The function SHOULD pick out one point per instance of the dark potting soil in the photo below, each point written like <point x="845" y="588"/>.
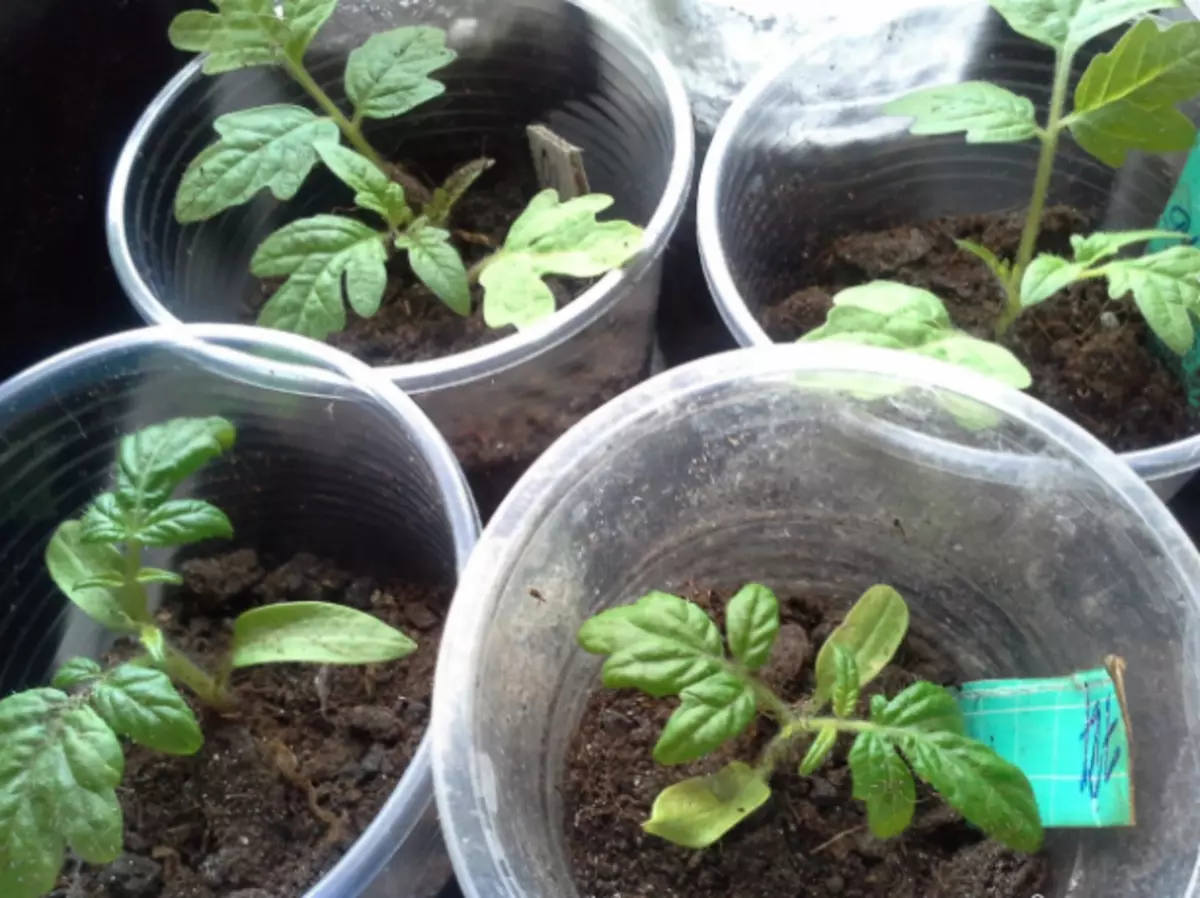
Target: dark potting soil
<point x="285" y="784"/>
<point x="810" y="839"/>
<point x="1091" y="358"/>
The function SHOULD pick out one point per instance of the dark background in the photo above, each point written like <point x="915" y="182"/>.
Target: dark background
<point x="76" y="76"/>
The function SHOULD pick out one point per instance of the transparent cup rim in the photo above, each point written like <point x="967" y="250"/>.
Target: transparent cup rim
<point x="225" y="345"/>
<point x="484" y="361"/>
<point x="462" y="781"/>
<point x="1160" y="462"/>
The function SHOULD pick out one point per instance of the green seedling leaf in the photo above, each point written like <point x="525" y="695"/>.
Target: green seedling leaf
<point x="821" y="746"/>
<point x="1045" y="276"/>
<point x="698" y="811"/>
<point x="59" y="766"/>
<point x="987" y="790"/>
<point x="105" y="521"/>
<point x="1165" y="287"/>
<point x="551" y="237"/>
<point x="883" y="782"/>
<point x="154" y="461"/>
<point x="148" y="575"/>
<point x="76" y="672"/>
<point x="304" y="19"/>
<point x="710" y="712"/>
<point x="272" y="147"/>
<point x="72" y="564"/>
<point x="1096" y="247"/>
<point x="240" y="34"/>
<point x="389" y="74"/>
<point x="372" y="188"/>
<point x="314" y="632"/>
<point x="437" y="264"/>
<point x="177" y="522"/>
<point x="141" y="703"/>
<point x="845" y="681"/>
<point x="986" y="112"/>
<point x="751" y="622"/>
<point x="1069" y="24"/>
<point x="871" y="633"/>
<point x="661" y="644"/>
<point x="1126" y="98"/>
<point x="989" y="359"/>
<point x="438" y="209"/>
<point x="1001" y="268"/>
<point x="922" y="706"/>
<point x="316" y="254"/>
<point x="152" y="640"/>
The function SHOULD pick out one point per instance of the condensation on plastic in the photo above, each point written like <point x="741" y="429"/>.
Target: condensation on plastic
<point x="578" y="68"/>
<point x="329" y="459"/>
<point x="768" y="464"/>
<point x="806" y="153"/>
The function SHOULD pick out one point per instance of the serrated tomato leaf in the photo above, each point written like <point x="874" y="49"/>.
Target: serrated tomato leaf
<point x="152" y="462"/>
<point x="710" y="712"/>
<point x="883" y="782"/>
<point x="142" y="703"/>
<point x="987" y="112"/>
<point x="751" y="623"/>
<point x="389" y="74"/>
<point x="437" y="264"/>
<point x="1166" y="288"/>
<point x="372" y="188"/>
<point x="924" y="706"/>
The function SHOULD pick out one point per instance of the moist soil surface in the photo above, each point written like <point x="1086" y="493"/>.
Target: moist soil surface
<point x="1091" y="358"/>
<point x="284" y="784"/>
<point x="810" y="839"/>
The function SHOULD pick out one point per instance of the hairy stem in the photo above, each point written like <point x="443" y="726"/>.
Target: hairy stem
<point x="182" y="669"/>
<point x="1041" y="187"/>
<point x="413" y="188"/>
<point x="476" y="270"/>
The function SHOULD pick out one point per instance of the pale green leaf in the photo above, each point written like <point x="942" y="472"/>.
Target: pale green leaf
<point x="987" y="790"/>
<point x="710" y="712"/>
<point x="924" y="706"/>
<point x="695" y="813"/>
<point x="551" y="237"/>
<point x="990" y="359"/>
<point x="1045" y="276"/>
<point x="437" y="264"/>
<point x="1069" y="24"/>
<point x="240" y="34"/>
<point x="389" y="74"/>
<point x="438" y="209"/>
<point x="871" y="633"/>
<point x="315" y="254"/>
<point x="76" y="672"/>
<point x="821" y="746"/>
<point x="661" y="644"/>
<point x="884" y="313"/>
<point x="883" y="782"/>
<point x="152" y="462"/>
<point x="314" y="632"/>
<point x="372" y="188"/>
<point x="1166" y="287"/>
<point x="180" y="521"/>
<point x="304" y="19"/>
<point x="844" y="696"/>
<point x="141" y="703"/>
<point x="986" y="112"/>
<point x="271" y="147"/>
<point x="1126" y="98"/>
<point x="751" y="623"/>
<point x="71" y="562"/>
<point x="153" y="641"/>
<point x="1096" y="247"/>
<point x="1001" y="268"/>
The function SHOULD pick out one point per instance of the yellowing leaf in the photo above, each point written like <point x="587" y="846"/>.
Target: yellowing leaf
<point x="698" y="811"/>
<point x="986" y="112"/>
<point x="315" y="632"/>
<point x="389" y="74"/>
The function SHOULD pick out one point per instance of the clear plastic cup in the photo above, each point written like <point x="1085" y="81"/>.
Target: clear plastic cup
<point x="577" y="67"/>
<point x="329" y="459"/>
<point x="800" y="467"/>
<point x="807" y="152"/>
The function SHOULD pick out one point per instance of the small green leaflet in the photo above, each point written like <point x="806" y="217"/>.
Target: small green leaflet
<point x="661" y="644"/>
<point x="974" y="780"/>
<point x="153" y="641"/>
<point x="1126" y="98"/>
<point x="437" y="264"/>
<point x="59" y="766"/>
<point x="241" y="33"/>
<point x="438" y="209"/>
<point x="389" y="74"/>
<point x="315" y="254"/>
<point x="1001" y="268"/>
<point x="751" y="623"/>
<point x="372" y="188"/>
<point x="551" y="237"/>
<point x="152" y="462"/>
<point x="923" y="706"/>
<point x="845" y="681"/>
<point x="1069" y="24"/>
<point x="174" y="522"/>
<point x="821" y="746"/>
<point x="986" y="112"/>
<point x="1165" y="287"/>
<point x="883" y="782"/>
<point x="76" y="672"/>
<point x="304" y="19"/>
<point x="315" y="632"/>
<point x="272" y="147"/>
<point x="710" y="712"/>
<point x="141" y="703"/>
<point x="698" y="811"/>
<point x="72" y="563"/>
<point x="1045" y="276"/>
<point x="1095" y="247"/>
<point x="871" y="633"/>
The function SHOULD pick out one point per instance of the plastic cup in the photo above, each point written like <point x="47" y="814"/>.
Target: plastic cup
<point x="329" y="459"/>
<point x="820" y="470"/>
<point x="807" y="152"/>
